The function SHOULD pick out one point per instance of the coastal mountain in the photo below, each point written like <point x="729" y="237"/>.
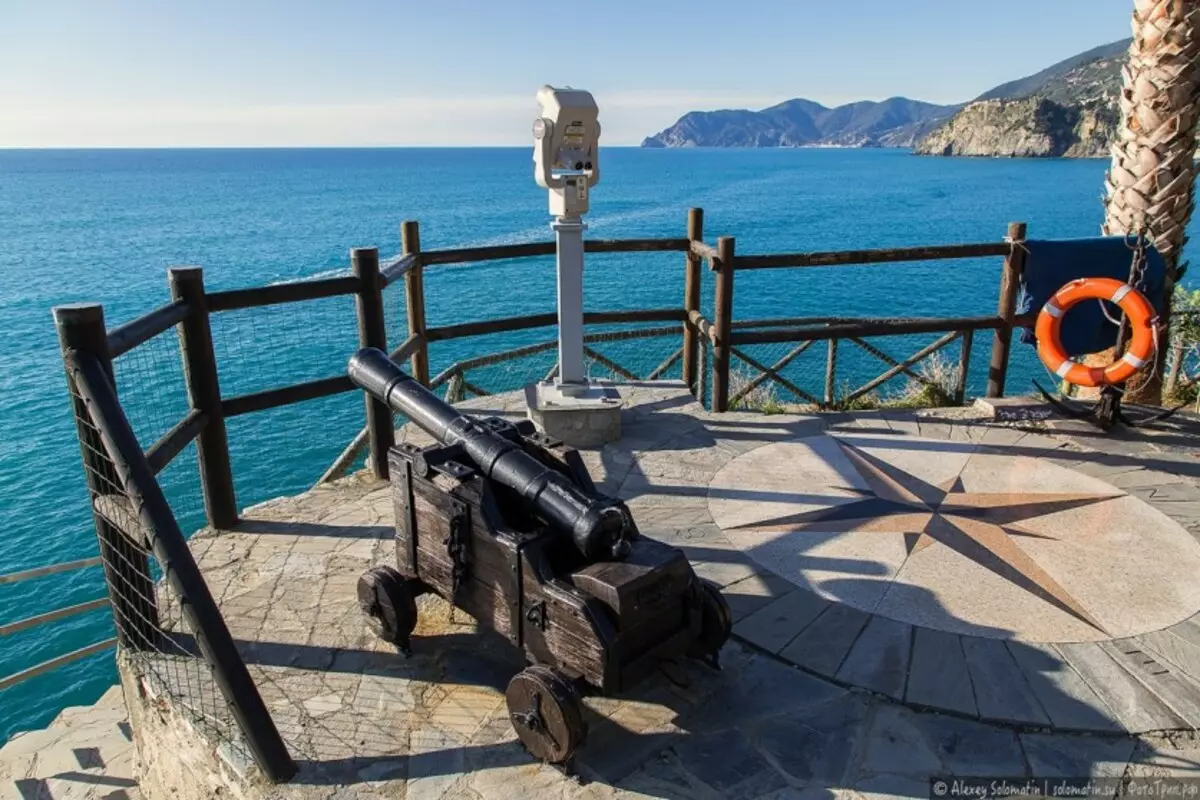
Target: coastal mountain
<point x="1066" y="110"/>
<point x="896" y="122"/>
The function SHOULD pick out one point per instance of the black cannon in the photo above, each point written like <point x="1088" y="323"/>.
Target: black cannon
<point x="506" y="524"/>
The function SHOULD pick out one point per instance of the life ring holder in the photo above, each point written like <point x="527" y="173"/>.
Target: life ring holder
<point x="1142" y="320"/>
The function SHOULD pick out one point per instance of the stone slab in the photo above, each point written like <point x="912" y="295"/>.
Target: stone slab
<point x="729" y="764"/>
<point x="1183" y="655"/>
<point x="755" y="592"/>
<point x="1059" y="756"/>
<point x="1066" y="697"/>
<point x="776" y="624"/>
<point x="1175" y="690"/>
<point x="1001" y="691"/>
<point x="896" y="745"/>
<point x="938" y="675"/>
<point x="824" y="644"/>
<point x="818" y="744"/>
<point x="1137" y="708"/>
<point x="879" y="658"/>
<point x="967" y="747"/>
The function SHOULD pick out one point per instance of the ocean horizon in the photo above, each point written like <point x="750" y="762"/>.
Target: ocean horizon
<point x="103" y="225"/>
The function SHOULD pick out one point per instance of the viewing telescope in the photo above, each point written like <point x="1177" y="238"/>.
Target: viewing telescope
<point x="600" y="527"/>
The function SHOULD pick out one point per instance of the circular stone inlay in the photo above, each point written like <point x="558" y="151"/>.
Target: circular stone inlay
<point x="958" y="537"/>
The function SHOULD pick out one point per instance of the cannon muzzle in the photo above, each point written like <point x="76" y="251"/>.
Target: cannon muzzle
<point x="599" y="526"/>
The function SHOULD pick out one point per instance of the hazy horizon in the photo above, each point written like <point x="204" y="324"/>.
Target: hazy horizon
<point x="134" y="74"/>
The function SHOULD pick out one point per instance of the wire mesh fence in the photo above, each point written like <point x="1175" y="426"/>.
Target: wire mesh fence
<point x="269" y="347"/>
<point x="150" y="382"/>
<point x="152" y="629"/>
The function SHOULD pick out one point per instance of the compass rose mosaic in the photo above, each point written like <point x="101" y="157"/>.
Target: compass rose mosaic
<point x="965" y="539"/>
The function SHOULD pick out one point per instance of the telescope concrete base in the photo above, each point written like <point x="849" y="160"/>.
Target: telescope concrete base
<point x="588" y="415"/>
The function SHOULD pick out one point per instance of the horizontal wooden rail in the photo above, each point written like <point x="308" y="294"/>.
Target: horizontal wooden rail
<point x="50" y="616"/>
<point x="634" y="245"/>
<point x="481" y="327"/>
<point x="702" y="250"/>
<point x="273" y="398"/>
<point x="173" y="441"/>
<point x="290" y="292"/>
<point x="882" y="327"/>
<point x="397" y="268"/>
<point x="52" y="569"/>
<point x="465" y="255"/>
<point x="124" y="338"/>
<point x="638" y="315"/>
<point x="843" y="257"/>
<point x="54" y="663"/>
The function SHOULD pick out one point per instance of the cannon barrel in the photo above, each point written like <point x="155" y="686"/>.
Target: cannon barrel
<point x="598" y="526"/>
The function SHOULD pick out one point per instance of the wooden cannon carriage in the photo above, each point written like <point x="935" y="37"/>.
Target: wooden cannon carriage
<point x="507" y="525"/>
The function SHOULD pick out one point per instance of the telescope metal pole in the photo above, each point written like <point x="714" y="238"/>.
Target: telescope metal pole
<point x="568" y="234"/>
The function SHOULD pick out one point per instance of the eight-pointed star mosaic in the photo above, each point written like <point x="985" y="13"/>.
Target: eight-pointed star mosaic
<point x="981" y="526"/>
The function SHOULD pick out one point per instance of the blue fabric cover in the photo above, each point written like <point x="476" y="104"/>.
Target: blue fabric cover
<point x="1050" y="264"/>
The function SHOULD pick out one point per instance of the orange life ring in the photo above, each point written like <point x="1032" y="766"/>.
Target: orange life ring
<point x="1138" y="311"/>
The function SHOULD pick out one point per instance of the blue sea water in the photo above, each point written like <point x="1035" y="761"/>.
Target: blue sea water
<point x="103" y="226"/>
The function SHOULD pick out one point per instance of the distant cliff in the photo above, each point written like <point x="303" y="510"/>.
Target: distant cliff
<point x="897" y="122"/>
<point x="1033" y="126"/>
<point x="1067" y="110"/>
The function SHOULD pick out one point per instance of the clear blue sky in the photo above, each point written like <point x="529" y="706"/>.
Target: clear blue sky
<point x="462" y="72"/>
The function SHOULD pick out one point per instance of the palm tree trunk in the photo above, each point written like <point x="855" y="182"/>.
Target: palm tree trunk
<point x="1149" y="187"/>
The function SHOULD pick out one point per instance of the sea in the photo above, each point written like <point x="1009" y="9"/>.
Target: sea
<point x="104" y="226"/>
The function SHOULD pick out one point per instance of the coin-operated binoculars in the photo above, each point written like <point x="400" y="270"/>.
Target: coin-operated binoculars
<point x="566" y="158"/>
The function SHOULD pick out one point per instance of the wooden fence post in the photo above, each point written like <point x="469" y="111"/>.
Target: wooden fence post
<point x="691" y="298"/>
<point x="414" y="296"/>
<point x="831" y="373"/>
<point x="204" y="394"/>
<point x="372" y="332"/>
<point x="1010" y="281"/>
<point x="723" y="312"/>
<point x="964" y="367"/>
<point x="126" y="567"/>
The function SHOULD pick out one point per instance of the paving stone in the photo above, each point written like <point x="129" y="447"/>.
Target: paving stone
<point x="1061" y="756"/>
<point x="751" y="594"/>
<point x="1135" y="706"/>
<point x="661" y="777"/>
<point x="817" y="743"/>
<point x="879" y="658"/>
<point x="823" y="645"/>
<point x="938" y="676"/>
<point x="777" y="623"/>
<point x="932" y="429"/>
<point x="759" y="687"/>
<point x="966" y="747"/>
<point x="1065" y="696"/>
<point x="1164" y="760"/>
<point x="1001" y="691"/>
<point x="894" y="744"/>
<point x="729" y="763"/>
<point x="1175" y="690"/>
<point x="1181" y="653"/>
<point x="888" y="787"/>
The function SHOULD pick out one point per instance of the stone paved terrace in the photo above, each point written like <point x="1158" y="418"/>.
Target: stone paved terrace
<point x="915" y="595"/>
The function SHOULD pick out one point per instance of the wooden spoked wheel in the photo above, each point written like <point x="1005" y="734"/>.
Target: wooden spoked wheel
<point x="547" y="714"/>
<point x="388" y="601"/>
<point x="716" y="622"/>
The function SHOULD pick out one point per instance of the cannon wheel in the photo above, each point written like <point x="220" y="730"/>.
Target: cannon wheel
<point x="547" y="714"/>
<point x="716" y="622"/>
<point x="389" y="603"/>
